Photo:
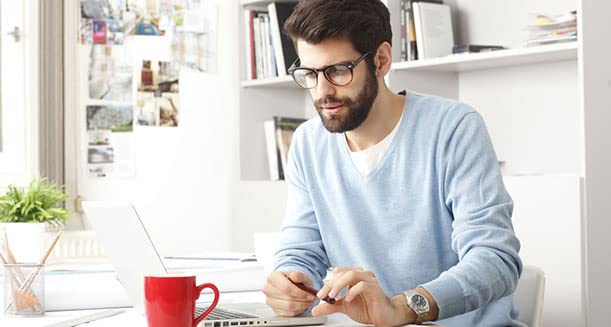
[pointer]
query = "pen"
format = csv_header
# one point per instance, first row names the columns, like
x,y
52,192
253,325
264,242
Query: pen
x,y
312,291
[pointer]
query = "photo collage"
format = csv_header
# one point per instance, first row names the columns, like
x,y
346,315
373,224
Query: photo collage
x,y
135,90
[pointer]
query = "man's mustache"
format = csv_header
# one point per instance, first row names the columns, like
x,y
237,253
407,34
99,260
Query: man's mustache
x,y
318,103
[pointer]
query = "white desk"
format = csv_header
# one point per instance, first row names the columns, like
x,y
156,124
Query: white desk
x,y
130,318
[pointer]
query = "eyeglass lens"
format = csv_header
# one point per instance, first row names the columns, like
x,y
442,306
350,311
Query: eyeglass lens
x,y
339,75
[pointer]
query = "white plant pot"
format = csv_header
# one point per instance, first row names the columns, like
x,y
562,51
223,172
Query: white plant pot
x,y
26,240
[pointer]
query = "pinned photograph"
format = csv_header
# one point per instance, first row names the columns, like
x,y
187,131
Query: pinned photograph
x,y
100,155
194,41
158,102
100,171
86,31
146,109
99,137
114,34
190,49
115,118
99,31
108,21
110,73
168,109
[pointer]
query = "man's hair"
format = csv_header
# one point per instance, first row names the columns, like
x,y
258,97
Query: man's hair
x,y
365,23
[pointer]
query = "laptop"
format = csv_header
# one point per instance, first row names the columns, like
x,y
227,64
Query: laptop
x,y
132,253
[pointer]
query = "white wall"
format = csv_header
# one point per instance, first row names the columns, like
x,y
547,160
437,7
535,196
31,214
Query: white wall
x,y
259,207
546,219
532,114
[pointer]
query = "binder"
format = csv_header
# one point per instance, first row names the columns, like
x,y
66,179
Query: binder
x,y
284,51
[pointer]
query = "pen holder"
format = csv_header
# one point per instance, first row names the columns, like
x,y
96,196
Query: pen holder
x,y
23,289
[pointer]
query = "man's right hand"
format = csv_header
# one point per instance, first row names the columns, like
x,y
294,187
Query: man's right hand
x,y
284,297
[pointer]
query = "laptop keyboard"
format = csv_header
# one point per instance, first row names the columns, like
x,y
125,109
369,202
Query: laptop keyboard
x,y
222,314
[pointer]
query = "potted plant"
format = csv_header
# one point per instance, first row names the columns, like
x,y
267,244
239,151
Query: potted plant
x,y
25,215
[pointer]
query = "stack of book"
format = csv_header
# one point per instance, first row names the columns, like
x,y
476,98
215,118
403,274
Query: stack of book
x,y
269,51
278,137
426,29
546,29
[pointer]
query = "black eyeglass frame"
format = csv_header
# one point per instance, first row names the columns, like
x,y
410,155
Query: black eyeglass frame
x,y
324,70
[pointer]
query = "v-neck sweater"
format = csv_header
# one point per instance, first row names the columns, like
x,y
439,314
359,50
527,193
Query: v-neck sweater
x,y
433,213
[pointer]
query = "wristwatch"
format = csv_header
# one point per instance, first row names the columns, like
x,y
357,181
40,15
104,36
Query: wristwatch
x,y
419,304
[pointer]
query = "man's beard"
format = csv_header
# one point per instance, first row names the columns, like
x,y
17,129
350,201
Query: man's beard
x,y
355,111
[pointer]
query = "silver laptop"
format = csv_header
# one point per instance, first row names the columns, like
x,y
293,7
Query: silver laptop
x,y
133,255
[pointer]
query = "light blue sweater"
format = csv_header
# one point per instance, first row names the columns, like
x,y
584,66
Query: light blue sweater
x,y
433,213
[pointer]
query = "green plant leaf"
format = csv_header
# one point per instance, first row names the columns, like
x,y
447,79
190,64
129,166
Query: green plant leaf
x,y
42,202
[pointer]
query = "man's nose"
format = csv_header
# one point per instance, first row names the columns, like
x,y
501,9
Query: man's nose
x,y
324,88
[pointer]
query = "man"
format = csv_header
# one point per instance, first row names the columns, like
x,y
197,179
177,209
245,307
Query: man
x,y
401,193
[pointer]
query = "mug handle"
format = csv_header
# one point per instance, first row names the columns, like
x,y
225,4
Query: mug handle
x,y
198,291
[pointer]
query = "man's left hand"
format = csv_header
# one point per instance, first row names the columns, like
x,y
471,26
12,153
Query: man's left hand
x,y
364,302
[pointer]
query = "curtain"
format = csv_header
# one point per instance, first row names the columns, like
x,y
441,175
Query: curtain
x,y
51,86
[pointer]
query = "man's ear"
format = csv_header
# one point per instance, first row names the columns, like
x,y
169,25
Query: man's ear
x,y
383,59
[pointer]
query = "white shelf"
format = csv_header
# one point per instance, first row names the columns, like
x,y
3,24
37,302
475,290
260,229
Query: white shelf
x,y
261,2
285,81
494,59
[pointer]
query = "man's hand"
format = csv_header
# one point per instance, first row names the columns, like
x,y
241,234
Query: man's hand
x,y
364,302
284,297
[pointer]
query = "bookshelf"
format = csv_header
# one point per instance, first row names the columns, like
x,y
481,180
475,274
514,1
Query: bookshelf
x,y
281,82
547,111
502,58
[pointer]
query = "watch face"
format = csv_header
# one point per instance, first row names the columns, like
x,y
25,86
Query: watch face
x,y
419,302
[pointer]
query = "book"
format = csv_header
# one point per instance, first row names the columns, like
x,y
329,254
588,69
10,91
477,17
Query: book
x,y
410,33
249,16
411,38
433,26
267,51
273,151
403,33
474,48
284,51
285,128
257,23
270,45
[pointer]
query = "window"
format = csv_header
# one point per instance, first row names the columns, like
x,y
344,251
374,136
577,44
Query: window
x,y
18,119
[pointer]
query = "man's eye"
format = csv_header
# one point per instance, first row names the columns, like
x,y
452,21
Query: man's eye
x,y
337,71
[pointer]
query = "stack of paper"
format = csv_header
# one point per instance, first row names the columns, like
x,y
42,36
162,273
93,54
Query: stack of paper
x,y
237,277
546,29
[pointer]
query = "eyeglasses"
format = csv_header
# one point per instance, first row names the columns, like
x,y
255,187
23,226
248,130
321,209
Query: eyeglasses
x,y
338,74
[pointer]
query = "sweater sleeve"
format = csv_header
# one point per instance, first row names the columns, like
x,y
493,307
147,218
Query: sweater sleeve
x,y
482,233
301,247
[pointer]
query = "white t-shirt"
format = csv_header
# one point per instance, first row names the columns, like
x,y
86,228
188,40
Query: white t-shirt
x,y
366,160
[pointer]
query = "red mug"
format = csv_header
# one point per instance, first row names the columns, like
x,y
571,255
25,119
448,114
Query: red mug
x,y
170,300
